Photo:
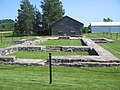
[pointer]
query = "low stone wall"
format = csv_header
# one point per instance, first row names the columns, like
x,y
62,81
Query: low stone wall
x,y
55,48
102,40
64,37
30,62
77,59
29,42
90,65
34,42
19,41
70,37
83,61
29,48
75,48
23,47
8,50
7,59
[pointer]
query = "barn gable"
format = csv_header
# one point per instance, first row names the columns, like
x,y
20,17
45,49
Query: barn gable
x,y
67,26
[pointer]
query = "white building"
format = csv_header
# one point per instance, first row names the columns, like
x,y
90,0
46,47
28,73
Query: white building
x,y
99,27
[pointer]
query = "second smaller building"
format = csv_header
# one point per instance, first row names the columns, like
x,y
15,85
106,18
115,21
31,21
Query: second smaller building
x,y
110,27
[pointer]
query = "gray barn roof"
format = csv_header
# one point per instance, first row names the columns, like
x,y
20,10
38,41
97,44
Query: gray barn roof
x,y
67,17
105,23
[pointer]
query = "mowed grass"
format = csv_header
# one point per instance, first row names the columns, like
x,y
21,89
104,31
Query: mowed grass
x,y
44,55
64,78
61,42
114,48
6,41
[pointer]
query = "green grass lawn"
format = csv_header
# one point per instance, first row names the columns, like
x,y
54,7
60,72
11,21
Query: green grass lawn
x,y
43,55
6,41
64,78
101,35
61,42
114,48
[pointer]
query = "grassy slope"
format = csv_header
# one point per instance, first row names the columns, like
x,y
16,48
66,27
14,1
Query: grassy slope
x,y
62,42
43,55
114,48
64,78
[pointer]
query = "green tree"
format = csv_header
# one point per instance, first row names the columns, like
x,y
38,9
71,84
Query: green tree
x,y
7,24
37,24
107,20
52,11
86,30
24,22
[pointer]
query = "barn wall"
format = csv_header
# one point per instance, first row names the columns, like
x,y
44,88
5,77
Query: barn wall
x,y
67,26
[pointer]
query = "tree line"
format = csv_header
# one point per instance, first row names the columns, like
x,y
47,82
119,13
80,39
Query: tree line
x,y
30,21
6,25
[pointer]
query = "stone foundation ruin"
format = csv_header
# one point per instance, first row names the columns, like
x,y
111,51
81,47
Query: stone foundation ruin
x,y
98,55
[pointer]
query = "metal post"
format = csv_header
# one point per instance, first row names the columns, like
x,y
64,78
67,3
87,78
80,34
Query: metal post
x,y
1,39
50,67
117,36
111,35
12,36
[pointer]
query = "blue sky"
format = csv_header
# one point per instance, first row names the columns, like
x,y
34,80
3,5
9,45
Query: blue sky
x,y
85,11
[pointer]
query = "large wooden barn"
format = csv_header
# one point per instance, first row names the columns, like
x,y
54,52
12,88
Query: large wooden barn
x,y
110,27
67,26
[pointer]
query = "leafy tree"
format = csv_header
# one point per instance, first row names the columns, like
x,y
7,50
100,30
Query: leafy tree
x,y
86,30
6,24
24,22
107,20
37,24
52,11
6,21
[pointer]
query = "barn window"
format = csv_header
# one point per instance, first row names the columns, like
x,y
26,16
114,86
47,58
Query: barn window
x,y
72,31
60,32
